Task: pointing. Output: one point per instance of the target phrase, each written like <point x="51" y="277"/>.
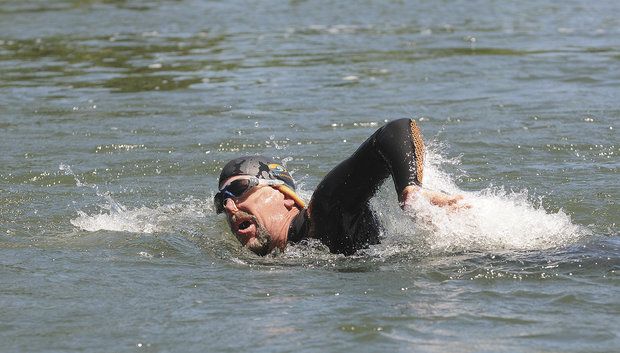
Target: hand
<point x="440" y="199"/>
<point x="434" y="197"/>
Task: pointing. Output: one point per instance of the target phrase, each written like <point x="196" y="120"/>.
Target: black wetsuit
<point x="339" y="213"/>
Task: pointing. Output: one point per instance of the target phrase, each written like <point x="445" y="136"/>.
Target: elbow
<point x="397" y="125"/>
<point x="390" y="133"/>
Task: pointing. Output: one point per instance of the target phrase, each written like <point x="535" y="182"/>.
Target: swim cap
<point x="263" y="168"/>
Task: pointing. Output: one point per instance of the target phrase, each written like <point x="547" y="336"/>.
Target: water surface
<point x="116" y="117"/>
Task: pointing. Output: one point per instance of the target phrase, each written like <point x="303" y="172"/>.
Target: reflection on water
<point x="120" y="63"/>
<point x="150" y="61"/>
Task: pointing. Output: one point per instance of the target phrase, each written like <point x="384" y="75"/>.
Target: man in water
<point x="264" y="212"/>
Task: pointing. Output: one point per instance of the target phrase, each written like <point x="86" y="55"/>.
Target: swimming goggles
<point x="239" y="187"/>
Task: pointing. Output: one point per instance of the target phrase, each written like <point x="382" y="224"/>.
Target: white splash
<point x="496" y="220"/>
<point x="114" y="216"/>
<point x="142" y="219"/>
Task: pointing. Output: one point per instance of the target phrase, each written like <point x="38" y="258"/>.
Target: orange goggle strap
<point x="292" y="194"/>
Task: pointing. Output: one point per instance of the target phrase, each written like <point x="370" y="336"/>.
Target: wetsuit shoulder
<point x="339" y="210"/>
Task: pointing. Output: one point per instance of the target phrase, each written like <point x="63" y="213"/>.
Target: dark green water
<point x="116" y="116"/>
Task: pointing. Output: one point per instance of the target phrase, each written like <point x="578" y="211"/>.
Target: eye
<point x="238" y="187"/>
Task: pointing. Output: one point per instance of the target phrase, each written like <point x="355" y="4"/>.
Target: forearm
<point x="395" y="149"/>
<point x="401" y="146"/>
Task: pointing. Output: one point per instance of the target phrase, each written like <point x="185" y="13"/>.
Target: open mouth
<point x="244" y="225"/>
<point x="246" y="228"/>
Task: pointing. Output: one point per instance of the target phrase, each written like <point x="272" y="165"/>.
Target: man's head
<point x="258" y="196"/>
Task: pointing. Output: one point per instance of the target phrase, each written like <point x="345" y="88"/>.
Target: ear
<point x="289" y="203"/>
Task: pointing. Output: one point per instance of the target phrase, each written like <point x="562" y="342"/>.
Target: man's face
<point x="257" y="218"/>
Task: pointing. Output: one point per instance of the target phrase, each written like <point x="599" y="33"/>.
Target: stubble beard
<point x="261" y="244"/>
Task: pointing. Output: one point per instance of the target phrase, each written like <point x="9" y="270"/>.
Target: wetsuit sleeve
<point x="396" y="149"/>
<point x="339" y="207"/>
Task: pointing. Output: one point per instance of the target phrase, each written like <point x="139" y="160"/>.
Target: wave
<point x="165" y="218"/>
<point x="114" y="216"/>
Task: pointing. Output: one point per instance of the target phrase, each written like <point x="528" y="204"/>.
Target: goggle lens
<point x="235" y="189"/>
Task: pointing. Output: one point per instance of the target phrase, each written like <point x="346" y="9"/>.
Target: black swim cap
<point x="258" y="166"/>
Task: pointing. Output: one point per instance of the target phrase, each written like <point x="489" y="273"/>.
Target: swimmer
<point x="265" y="213"/>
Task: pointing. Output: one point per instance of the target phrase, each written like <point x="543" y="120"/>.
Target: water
<point x="115" y="117"/>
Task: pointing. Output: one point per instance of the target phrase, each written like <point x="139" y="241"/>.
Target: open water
<point x="116" y="116"/>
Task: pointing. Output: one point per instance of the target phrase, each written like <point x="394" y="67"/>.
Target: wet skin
<point x="260" y="218"/>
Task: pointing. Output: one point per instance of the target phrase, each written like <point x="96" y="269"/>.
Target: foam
<point x="143" y="219"/>
<point x="496" y="220"/>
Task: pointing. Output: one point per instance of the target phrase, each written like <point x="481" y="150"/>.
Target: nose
<point x="230" y="206"/>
